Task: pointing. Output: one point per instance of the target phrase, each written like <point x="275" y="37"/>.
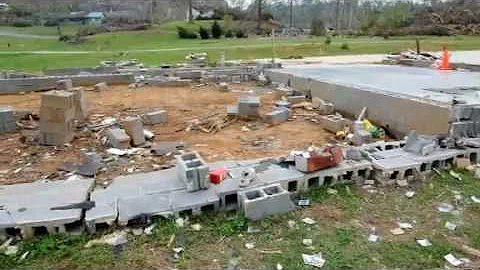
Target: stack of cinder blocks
<point x="193" y="171"/>
<point x="57" y="115"/>
<point x="333" y="123"/>
<point x="7" y="120"/>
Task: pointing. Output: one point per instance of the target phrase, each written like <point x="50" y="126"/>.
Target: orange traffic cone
<point x="445" y="64"/>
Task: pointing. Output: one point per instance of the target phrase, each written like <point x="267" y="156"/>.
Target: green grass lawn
<point x="344" y="222"/>
<point x="160" y="45"/>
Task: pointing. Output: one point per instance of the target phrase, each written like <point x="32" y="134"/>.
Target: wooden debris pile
<point x="212" y="123"/>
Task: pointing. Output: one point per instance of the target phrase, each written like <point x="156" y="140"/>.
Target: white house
<point x="95" y="18"/>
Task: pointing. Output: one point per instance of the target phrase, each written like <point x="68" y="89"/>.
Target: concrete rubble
<point x="248" y="106"/>
<point x="118" y="138"/>
<point x="155" y="117"/>
<point x="134" y="128"/>
<point x="7" y="119"/>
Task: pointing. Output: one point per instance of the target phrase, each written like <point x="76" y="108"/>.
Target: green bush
<point x="239" y="33"/>
<point x="318" y="28"/>
<point x="22" y="23"/>
<point x="229" y="34"/>
<point x="345" y="47"/>
<point x="328" y="40"/>
<point x="217" y="30"/>
<point x="203" y="33"/>
<point x="185" y="33"/>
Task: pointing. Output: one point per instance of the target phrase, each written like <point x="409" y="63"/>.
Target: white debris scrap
<point x="309" y="221"/>
<point x="450" y="226"/>
<point x="475" y="199"/>
<point x="397" y="231"/>
<point x="116" y="152"/>
<point x="148" y="134"/>
<point x="405" y="225"/>
<point x="180" y="222"/>
<point x="196" y="227"/>
<point x="452" y="260"/>
<point x="249" y="245"/>
<point x="373" y="238"/>
<point x="149" y="230"/>
<point x="424" y="242"/>
<point x="114" y="239"/>
<point x="445" y="208"/>
<point x="409" y="194"/>
<point x="315" y="260"/>
<point x="307" y="242"/>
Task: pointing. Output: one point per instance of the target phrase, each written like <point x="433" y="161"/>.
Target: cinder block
<point x="58" y="139"/>
<point x="249" y="106"/>
<point x="324" y="107"/>
<point x="65" y="84"/>
<point x="57" y="115"/>
<point x="333" y="123"/>
<point x="258" y="203"/>
<point x="278" y="116"/>
<point x="156" y="117"/>
<point x="134" y="128"/>
<point x="58" y="99"/>
<point x="7" y="119"/>
<point x="193" y="171"/>
<point x="118" y="138"/>
<point x="54" y="127"/>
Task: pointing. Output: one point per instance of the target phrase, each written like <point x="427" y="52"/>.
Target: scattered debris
<point x="292" y="224"/>
<point x="445" y="208"/>
<point x="309" y="221"/>
<point x="452" y="260"/>
<point x="373" y="238"/>
<point x="180" y="222"/>
<point x="137" y="231"/>
<point x="149" y="230"/>
<point x="450" y="226"/>
<point x="251" y="229"/>
<point x="332" y="191"/>
<point x="475" y="199"/>
<point x="456" y="175"/>
<point x="405" y="225"/>
<point x="117" y="238"/>
<point x="196" y="227"/>
<point x="279" y="267"/>
<point x="249" y="246"/>
<point x="303" y="202"/>
<point x="315" y="260"/>
<point x="307" y="242"/>
<point x="409" y="194"/>
<point x="397" y="231"/>
<point x="424" y="242"/>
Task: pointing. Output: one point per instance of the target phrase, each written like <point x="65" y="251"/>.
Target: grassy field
<point x="160" y="45"/>
<point x="344" y="222"/>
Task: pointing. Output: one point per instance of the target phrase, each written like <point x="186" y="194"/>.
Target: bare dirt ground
<point x="20" y="162"/>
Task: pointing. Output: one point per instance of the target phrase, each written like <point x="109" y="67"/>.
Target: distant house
<point x="4" y="7"/>
<point x="95" y="18"/>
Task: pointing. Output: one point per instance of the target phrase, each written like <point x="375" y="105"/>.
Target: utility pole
<point x="190" y="11"/>
<point x="259" y="15"/>
<point x="337" y="10"/>
<point x="291" y="13"/>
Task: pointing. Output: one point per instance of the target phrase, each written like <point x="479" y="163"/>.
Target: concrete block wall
<point x="12" y="86"/>
<point x="399" y="114"/>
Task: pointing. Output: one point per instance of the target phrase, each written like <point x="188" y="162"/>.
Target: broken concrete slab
<point x="30" y="205"/>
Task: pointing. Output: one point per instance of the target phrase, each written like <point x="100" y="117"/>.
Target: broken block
<point x="58" y="99"/>
<point x="462" y="163"/>
<point x="193" y="171"/>
<point x="261" y="202"/>
<point x="7" y="119"/>
<point x="134" y="128"/>
<point x="324" y="107"/>
<point x="156" y="117"/>
<point x="278" y="116"/>
<point x="118" y="138"/>
<point x="81" y="110"/>
<point x="65" y="84"/>
<point x="100" y="87"/>
<point x="333" y="123"/>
